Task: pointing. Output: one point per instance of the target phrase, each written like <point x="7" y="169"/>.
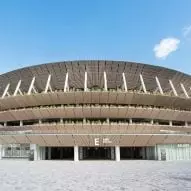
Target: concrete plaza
<point x="94" y="175"/>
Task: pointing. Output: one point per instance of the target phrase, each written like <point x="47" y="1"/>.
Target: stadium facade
<point x="84" y="110"/>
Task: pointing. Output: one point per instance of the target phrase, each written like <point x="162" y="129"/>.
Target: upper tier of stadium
<point x="99" y="76"/>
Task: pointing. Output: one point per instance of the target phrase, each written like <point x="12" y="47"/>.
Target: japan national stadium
<point x="95" y="110"/>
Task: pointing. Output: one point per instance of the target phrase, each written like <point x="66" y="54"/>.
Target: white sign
<point x="183" y="145"/>
<point x="104" y="141"/>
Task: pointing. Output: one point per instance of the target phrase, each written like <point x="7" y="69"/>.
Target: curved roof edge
<point x="92" y="60"/>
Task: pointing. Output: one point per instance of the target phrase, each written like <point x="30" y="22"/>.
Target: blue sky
<point x="150" y="31"/>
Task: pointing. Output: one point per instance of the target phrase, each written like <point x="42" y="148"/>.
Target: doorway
<point x="59" y="153"/>
<point x="97" y="153"/>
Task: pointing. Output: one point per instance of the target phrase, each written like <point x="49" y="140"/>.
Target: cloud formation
<point x="186" y="31"/>
<point x="165" y="47"/>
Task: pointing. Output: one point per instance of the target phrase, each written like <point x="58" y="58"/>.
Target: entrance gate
<point x="59" y="153"/>
<point x="145" y="153"/>
<point x="97" y="153"/>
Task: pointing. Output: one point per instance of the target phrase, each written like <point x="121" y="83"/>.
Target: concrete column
<point x="40" y="121"/>
<point x="5" y="124"/>
<point x="184" y="90"/>
<point x="105" y="81"/>
<point x="143" y="84"/>
<point x="170" y="123"/>
<point x="66" y="86"/>
<point x="49" y="153"/>
<point x="107" y="120"/>
<point x="173" y="88"/>
<point x="84" y="120"/>
<point x="159" y="85"/>
<point x="1" y="152"/>
<point x="130" y="121"/>
<point x="21" y="123"/>
<point x="85" y="81"/>
<point x="186" y="123"/>
<point x="156" y="152"/>
<point x="117" y="153"/>
<point x="35" y="148"/>
<point x="76" y="153"/>
<point x="124" y="81"/>
<point x="36" y="153"/>
<point x="61" y="120"/>
<point x="152" y="121"/>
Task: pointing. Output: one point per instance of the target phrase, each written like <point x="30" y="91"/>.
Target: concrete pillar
<point x="117" y="153"/>
<point x="105" y="81"/>
<point x="143" y="84"/>
<point x="173" y="88"/>
<point x="35" y="148"/>
<point x="21" y="123"/>
<point x="152" y="121"/>
<point x="40" y="121"/>
<point x="186" y="123"/>
<point x="5" y="124"/>
<point x="107" y="120"/>
<point x="36" y="153"/>
<point x="61" y="120"/>
<point x="130" y="121"/>
<point x="159" y="85"/>
<point x="85" y="81"/>
<point x="1" y="152"/>
<point x="156" y="152"/>
<point x="49" y="153"/>
<point x="124" y="81"/>
<point x="84" y="120"/>
<point x="76" y="153"/>
<point x="170" y="123"/>
<point x="66" y="85"/>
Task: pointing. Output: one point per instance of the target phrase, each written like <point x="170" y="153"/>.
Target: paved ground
<point x="94" y="175"/>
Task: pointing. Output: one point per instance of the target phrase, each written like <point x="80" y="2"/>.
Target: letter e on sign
<point x="96" y="141"/>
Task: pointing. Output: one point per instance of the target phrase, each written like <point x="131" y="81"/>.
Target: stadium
<point x="95" y="110"/>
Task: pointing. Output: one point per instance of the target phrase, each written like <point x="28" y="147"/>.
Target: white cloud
<point x="186" y="31"/>
<point x="165" y="47"/>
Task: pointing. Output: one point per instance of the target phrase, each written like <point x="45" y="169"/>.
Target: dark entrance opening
<point x="59" y="153"/>
<point x="132" y="152"/>
<point x="97" y="153"/>
<point x="145" y="153"/>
